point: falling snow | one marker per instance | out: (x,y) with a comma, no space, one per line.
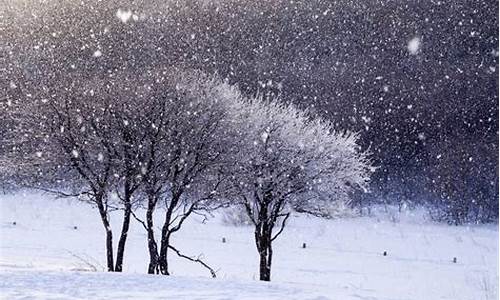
(414,45)
(415,84)
(123,15)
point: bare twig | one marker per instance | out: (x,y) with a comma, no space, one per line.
(283,224)
(198,260)
(91,265)
(139,220)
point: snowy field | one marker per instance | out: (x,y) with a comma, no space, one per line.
(43,256)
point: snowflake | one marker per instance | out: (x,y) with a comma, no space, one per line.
(414,45)
(124,15)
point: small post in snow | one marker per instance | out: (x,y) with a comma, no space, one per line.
(454,260)
(223,240)
(304,245)
(385,253)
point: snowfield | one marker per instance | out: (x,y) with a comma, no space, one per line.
(78,285)
(43,256)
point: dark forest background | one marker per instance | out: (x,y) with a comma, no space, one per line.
(429,118)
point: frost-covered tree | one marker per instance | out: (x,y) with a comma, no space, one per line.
(288,161)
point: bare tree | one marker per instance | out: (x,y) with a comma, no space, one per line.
(82,137)
(185,154)
(58,150)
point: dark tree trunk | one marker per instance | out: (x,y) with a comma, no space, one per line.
(265,265)
(109,249)
(123,237)
(162,261)
(109,232)
(265,254)
(165,242)
(128,190)
(263,236)
(165,235)
(263,233)
(153,267)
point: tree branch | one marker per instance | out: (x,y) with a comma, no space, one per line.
(139,220)
(198,260)
(283,224)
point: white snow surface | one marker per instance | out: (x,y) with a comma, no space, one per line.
(43,256)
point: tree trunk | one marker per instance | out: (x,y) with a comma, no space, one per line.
(263,234)
(109,249)
(153,267)
(162,261)
(128,192)
(109,232)
(265,264)
(165,236)
(123,237)
(165,242)
(266,255)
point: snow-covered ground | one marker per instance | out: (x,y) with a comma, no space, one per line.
(43,256)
